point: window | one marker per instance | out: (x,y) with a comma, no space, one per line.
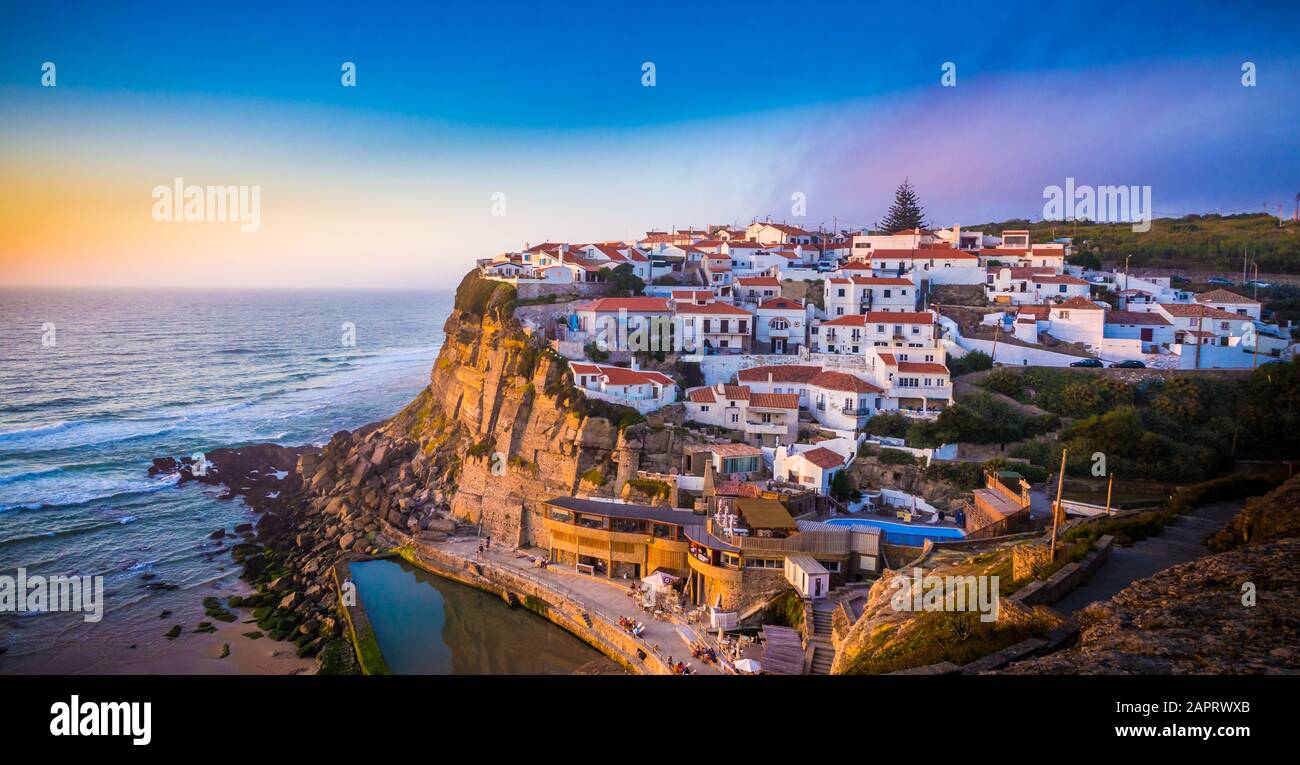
(888,293)
(778,323)
(704,408)
(840,292)
(735,417)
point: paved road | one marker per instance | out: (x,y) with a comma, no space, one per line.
(1180,542)
(603,596)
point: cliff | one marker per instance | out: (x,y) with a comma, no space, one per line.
(499,429)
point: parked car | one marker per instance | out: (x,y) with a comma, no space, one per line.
(1257,283)
(1128,364)
(1087,363)
(1219,280)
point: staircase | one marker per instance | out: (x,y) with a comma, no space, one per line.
(586,619)
(823,652)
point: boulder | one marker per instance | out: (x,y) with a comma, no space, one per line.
(291,601)
(346,541)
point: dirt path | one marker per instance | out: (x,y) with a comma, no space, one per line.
(1182,541)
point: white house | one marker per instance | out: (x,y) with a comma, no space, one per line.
(714,327)
(1150,328)
(843,401)
(1077,320)
(778,233)
(780,325)
(642,390)
(1230,302)
(912,386)
(808,465)
(879,329)
(845,295)
(765,419)
(752,290)
(626,323)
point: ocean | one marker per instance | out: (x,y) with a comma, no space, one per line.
(95,384)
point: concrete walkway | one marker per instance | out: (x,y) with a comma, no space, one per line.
(1182,541)
(608,598)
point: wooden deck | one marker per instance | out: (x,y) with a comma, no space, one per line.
(783,652)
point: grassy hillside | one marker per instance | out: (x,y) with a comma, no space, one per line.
(1196,242)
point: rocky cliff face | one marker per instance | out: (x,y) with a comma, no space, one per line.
(499,430)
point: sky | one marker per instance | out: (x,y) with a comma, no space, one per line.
(477,128)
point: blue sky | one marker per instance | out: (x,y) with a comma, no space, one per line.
(753,102)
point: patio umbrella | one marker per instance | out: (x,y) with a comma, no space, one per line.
(749,666)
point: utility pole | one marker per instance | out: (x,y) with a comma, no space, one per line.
(1056,508)
(1110,484)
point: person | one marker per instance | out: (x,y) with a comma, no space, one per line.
(489,542)
(480,549)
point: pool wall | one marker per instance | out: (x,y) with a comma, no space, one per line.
(602,634)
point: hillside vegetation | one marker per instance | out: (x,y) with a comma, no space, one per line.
(1196,242)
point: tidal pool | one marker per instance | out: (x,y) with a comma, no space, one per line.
(427,625)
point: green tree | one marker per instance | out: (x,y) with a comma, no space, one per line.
(626,280)
(906,211)
(842,488)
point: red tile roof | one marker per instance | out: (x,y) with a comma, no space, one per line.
(712,309)
(1224,296)
(781,373)
(614,304)
(758,281)
(900,317)
(1199,309)
(843,381)
(775,400)
(1059,279)
(782,304)
(1136,317)
(1079,304)
(922,367)
(701,395)
(823,458)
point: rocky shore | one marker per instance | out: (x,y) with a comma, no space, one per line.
(304,527)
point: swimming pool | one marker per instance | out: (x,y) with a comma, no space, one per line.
(912,534)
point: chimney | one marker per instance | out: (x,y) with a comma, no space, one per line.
(636,366)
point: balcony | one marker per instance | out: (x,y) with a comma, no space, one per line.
(770,428)
(856,411)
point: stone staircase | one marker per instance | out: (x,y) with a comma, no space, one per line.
(823,652)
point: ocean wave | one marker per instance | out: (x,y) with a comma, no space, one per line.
(72,531)
(54,427)
(116,493)
(29,475)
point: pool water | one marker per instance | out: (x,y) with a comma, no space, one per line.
(911,534)
(427,625)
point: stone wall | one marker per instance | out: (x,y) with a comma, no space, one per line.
(1069,576)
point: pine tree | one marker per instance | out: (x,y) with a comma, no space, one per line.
(906,211)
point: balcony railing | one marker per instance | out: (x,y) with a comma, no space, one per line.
(856,411)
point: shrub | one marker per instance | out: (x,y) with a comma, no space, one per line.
(889,456)
(651,488)
(594,477)
(974,361)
